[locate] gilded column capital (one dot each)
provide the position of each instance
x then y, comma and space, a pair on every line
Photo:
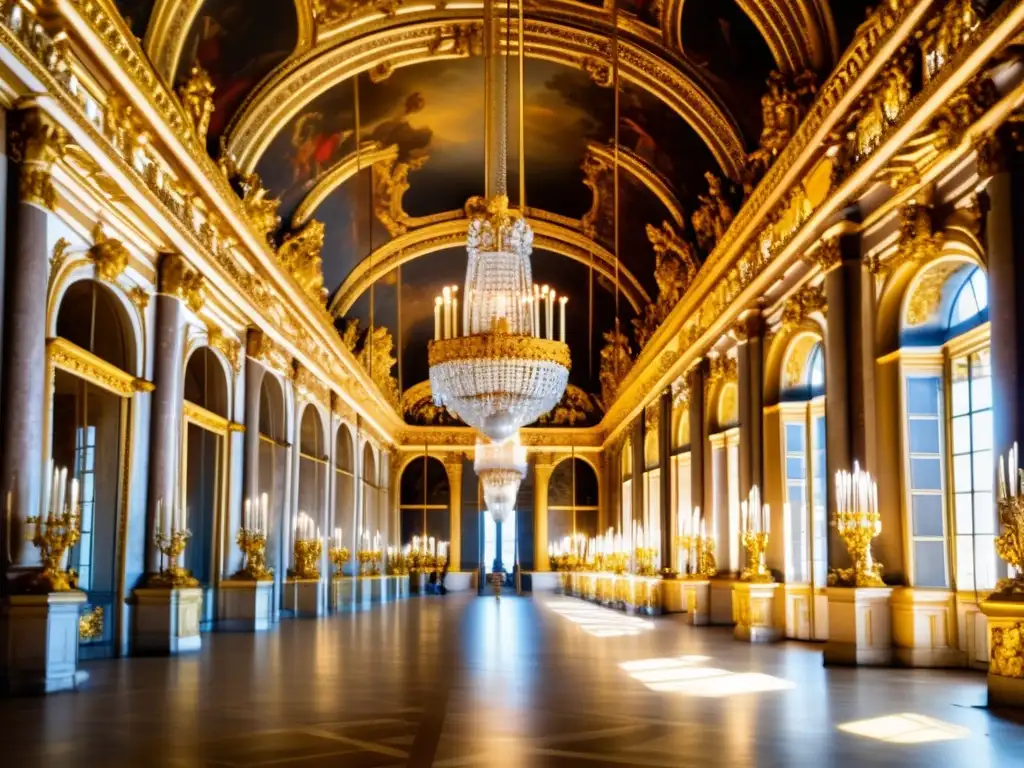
261, 348
178, 279
827, 255
37, 142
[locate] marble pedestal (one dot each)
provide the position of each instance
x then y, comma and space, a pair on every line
304, 598
698, 601
245, 606
859, 626
398, 587
673, 596
1006, 651
166, 620
720, 601
343, 594
40, 643
754, 612
370, 590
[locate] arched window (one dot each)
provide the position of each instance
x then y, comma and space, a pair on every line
370, 522
312, 464
425, 500
723, 516
572, 500
949, 447
88, 418
345, 489
626, 494
273, 458
651, 517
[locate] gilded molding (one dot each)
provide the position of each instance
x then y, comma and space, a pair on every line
139, 297
548, 235
109, 255
207, 419
827, 256
308, 386
927, 293
168, 28
805, 301
261, 348
229, 347
298, 82
338, 174
70, 357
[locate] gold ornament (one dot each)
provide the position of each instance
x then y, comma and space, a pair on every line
1007, 658
307, 559
713, 217
90, 624
300, 255
196, 95
178, 279
253, 545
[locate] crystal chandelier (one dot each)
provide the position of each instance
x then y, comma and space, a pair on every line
499, 374
500, 467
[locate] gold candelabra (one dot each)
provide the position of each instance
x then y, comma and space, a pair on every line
645, 561
1010, 541
369, 562
171, 546
339, 556
858, 523
756, 542
398, 563
700, 556
307, 559
253, 544
53, 536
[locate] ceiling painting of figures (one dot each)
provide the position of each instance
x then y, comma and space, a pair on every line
238, 45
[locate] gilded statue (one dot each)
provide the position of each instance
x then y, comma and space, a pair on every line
377, 357
783, 106
390, 183
196, 95
616, 361
575, 408
945, 33
675, 265
260, 209
300, 255
123, 125
713, 217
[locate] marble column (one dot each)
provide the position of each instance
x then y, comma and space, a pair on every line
167, 405
39, 146
699, 468
542, 468
750, 372
251, 444
850, 384
453, 463
667, 503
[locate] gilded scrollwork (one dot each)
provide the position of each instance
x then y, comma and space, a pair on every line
260, 208
37, 142
328, 12
783, 107
919, 241
616, 362
109, 255
803, 303
946, 33
390, 183
123, 126
308, 386
259, 346
196, 94
300, 255
675, 266
229, 347
378, 358
457, 40
1007, 656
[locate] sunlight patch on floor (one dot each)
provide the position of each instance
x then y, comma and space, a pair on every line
686, 675
598, 621
906, 728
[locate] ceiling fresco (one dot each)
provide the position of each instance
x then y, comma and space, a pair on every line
403, 161
238, 48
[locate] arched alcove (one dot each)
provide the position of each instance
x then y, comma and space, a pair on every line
87, 422
371, 513
312, 463
345, 487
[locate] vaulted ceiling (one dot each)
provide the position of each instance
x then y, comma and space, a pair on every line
301, 84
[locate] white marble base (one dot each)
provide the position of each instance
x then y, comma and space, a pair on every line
542, 581
755, 612
464, 581
40, 643
245, 606
922, 628
397, 588
305, 598
698, 602
859, 626
370, 590
343, 594
166, 621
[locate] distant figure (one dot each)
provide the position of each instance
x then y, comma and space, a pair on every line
441, 588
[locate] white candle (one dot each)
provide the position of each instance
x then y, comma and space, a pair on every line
561, 317
455, 311
767, 517
437, 317
74, 495
47, 488
551, 314
446, 294
246, 515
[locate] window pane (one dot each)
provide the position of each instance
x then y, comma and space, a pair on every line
981, 426
794, 438
795, 495
962, 473
979, 281
923, 396
961, 396
985, 561
984, 513
961, 434
964, 513
927, 510
929, 564
983, 471
924, 436
926, 474
795, 468
965, 562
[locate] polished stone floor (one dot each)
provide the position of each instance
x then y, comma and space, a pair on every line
467, 681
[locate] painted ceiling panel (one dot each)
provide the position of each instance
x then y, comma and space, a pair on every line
136, 13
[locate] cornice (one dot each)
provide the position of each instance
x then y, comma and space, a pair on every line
302, 79
548, 235
749, 259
